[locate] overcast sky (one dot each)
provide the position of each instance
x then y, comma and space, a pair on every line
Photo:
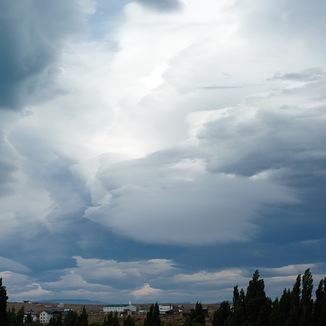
161, 150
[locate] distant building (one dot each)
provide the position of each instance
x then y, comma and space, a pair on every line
120, 308
165, 310
45, 317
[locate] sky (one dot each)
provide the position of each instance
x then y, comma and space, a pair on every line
161, 151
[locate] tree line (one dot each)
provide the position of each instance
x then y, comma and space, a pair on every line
295, 307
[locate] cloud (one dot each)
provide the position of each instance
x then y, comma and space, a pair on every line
312, 74
13, 266
282, 130
35, 291
197, 130
21, 287
107, 269
146, 291
8, 166
217, 205
162, 5
290, 269
31, 36
219, 278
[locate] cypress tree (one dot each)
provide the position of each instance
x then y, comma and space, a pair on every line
71, 318
83, 318
129, 321
3, 304
294, 315
153, 316
306, 300
222, 314
285, 306
255, 298
238, 315
319, 312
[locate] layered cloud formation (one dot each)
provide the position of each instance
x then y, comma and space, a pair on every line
154, 151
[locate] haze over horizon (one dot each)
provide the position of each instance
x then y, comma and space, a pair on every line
161, 150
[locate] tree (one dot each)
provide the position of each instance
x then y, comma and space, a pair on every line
275, 315
285, 306
55, 321
306, 300
197, 316
153, 316
3, 304
28, 319
294, 314
71, 318
111, 320
255, 299
11, 317
222, 314
319, 314
20, 316
83, 318
129, 321
238, 316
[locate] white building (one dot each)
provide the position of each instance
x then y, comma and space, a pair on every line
165, 309
45, 317
120, 308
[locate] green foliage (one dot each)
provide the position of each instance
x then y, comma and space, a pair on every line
319, 314
197, 316
285, 306
111, 320
129, 321
255, 299
71, 318
306, 299
153, 316
238, 316
222, 314
275, 316
56, 321
15, 319
83, 318
294, 315
3, 304
28, 319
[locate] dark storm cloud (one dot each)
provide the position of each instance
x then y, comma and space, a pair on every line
31, 34
162, 5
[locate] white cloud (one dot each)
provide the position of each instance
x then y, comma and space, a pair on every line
146, 291
209, 208
218, 278
108, 269
35, 291
290, 269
